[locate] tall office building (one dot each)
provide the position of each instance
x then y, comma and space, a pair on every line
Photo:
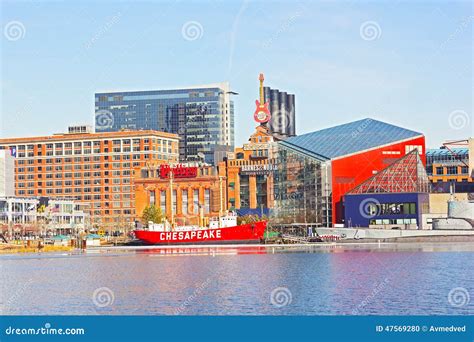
94, 169
282, 109
202, 116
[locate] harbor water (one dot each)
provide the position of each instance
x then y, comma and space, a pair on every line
359, 279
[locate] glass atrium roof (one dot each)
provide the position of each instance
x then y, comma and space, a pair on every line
407, 174
349, 138
435, 152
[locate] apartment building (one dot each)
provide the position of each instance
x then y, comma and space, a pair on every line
93, 168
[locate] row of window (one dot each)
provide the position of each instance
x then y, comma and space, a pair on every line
97, 143
76, 182
125, 189
393, 221
383, 209
184, 200
97, 174
97, 159
86, 197
116, 173
159, 156
114, 212
70, 167
452, 170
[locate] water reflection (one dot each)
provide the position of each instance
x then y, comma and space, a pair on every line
374, 279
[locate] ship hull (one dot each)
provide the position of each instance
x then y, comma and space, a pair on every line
245, 233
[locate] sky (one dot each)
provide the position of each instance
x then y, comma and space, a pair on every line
408, 63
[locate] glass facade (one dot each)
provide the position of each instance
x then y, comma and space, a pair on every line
202, 116
437, 158
244, 191
302, 188
261, 191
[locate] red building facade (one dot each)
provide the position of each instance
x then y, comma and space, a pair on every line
315, 170
351, 170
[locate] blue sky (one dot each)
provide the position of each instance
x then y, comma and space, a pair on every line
412, 66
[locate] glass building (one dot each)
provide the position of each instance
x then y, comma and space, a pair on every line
315, 170
202, 116
302, 187
454, 161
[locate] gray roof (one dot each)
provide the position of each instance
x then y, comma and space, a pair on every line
349, 138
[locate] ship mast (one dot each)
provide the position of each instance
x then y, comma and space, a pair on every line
170, 176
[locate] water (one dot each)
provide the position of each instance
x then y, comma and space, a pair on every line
386, 279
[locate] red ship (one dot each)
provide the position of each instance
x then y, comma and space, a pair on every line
223, 230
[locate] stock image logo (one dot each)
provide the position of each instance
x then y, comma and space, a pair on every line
280, 297
283, 120
14, 30
103, 297
192, 30
369, 207
459, 119
370, 30
104, 119
458, 297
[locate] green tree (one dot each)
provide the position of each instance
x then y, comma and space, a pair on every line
153, 214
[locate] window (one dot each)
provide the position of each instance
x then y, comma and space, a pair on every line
439, 170
452, 170
174, 200
388, 209
184, 200
196, 201
163, 201
409, 148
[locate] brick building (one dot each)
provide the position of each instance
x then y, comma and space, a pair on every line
92, 168
194, 190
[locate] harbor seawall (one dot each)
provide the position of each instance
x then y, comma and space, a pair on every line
368, 233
